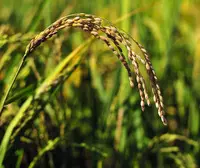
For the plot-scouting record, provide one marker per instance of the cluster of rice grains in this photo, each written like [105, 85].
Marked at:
[114, 39]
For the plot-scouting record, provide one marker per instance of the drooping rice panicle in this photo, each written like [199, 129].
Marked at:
[114, 39]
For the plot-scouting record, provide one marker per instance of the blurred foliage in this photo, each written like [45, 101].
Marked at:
[94, 118]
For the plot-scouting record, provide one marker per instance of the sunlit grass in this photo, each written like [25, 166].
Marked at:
[94, 118]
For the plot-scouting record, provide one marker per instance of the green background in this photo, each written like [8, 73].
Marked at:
[94, 118]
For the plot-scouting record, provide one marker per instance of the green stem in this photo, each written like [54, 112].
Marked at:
[12, 83]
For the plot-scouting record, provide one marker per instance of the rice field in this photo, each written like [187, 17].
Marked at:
[99, 83]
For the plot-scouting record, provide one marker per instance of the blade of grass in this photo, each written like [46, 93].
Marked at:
[25, 106]
[20, 94]
[51, 144]
[38, 14]
[135, 11]
[97, 79]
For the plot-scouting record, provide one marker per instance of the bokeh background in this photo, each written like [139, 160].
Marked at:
[94, 118]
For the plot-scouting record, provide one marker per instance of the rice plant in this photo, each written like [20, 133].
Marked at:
[83, 108]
